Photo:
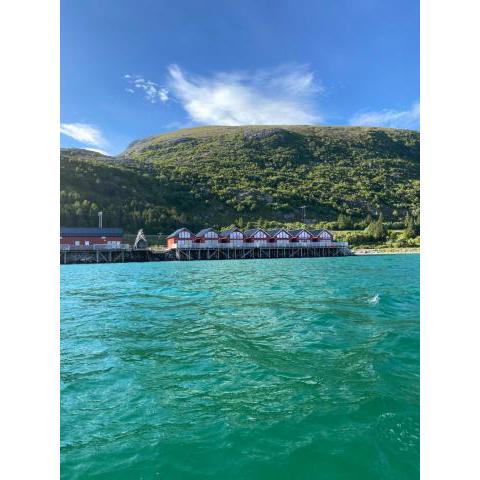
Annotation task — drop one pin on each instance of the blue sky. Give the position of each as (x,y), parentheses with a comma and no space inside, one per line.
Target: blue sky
(134,68)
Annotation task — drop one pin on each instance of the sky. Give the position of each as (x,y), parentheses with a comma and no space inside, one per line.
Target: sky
(135,68)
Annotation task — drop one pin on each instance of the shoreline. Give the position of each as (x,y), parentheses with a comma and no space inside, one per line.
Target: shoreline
(385,251)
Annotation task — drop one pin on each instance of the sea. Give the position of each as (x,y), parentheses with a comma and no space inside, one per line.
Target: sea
(243,369)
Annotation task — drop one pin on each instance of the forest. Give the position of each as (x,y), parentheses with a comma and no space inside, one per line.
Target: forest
(349,179)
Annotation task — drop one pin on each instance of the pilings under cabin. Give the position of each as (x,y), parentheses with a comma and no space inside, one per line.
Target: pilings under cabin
(254,251)
(93,254)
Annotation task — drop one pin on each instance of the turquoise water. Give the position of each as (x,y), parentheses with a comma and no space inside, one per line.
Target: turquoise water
(257,369)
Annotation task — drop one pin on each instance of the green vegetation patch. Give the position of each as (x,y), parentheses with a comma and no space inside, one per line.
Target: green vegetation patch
(246,175)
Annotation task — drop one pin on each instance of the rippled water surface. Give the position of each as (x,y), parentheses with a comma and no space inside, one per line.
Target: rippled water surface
(256,369)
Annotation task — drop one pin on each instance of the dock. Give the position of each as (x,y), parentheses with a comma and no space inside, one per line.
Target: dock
(245,251)
(82,254)
(85,254)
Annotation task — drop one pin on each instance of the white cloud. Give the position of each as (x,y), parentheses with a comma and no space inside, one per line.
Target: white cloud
(389,118)
(152,91)
(103,152)
(284,95)
(84,133)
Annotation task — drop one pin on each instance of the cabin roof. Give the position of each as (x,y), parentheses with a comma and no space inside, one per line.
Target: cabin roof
(316,233)
(90,232)
(251,232)
(229,231)
(178,230)
(295,233)
(274,232)
(204,231)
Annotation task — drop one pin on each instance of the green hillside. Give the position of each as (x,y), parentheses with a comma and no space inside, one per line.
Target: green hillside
(256,174)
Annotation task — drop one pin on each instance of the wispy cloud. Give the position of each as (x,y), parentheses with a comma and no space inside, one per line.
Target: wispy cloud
(152,91)
(98,150)
(84,133)
(284,95)
(389,118)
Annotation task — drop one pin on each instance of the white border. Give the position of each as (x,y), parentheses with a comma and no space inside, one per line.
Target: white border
(450,288)
(29,351)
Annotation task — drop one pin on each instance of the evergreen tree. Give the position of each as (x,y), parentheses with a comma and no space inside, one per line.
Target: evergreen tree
(417,223)
(365,223)
(376,229)
(344,222)
(409,227)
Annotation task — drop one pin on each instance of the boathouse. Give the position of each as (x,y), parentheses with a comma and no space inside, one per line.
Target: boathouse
(81,236)
(233,236)
(207,236)
(322,235)
(302,236)
(182,237)
(257,236)
(279,236)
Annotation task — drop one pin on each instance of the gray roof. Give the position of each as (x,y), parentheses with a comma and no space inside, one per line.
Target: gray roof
(316,233)
(273,232)
(228,232)
(90,232)
(297,232)
(177,231)
(251,231)
(201,233)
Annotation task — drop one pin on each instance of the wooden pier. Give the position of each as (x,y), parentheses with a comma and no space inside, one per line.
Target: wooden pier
(243,252)
(100,254)
(75,255)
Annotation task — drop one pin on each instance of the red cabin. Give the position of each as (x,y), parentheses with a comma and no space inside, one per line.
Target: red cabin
(208,236)
(279,236)
(182,237)
(257,236)
(232,236)
(322,235)
(301,236)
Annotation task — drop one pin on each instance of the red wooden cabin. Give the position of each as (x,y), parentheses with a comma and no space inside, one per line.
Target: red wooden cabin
(181,237)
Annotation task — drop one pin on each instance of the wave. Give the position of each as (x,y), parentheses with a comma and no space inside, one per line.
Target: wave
(374,300)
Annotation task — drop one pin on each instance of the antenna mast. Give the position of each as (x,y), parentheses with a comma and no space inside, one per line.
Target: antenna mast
(302,208)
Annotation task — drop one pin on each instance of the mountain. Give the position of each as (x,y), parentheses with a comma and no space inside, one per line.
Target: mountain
(250,174)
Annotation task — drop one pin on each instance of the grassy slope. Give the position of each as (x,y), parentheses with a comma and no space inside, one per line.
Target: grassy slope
(219,175)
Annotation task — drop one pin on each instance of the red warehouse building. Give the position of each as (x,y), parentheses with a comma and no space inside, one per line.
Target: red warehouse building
(90,236)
